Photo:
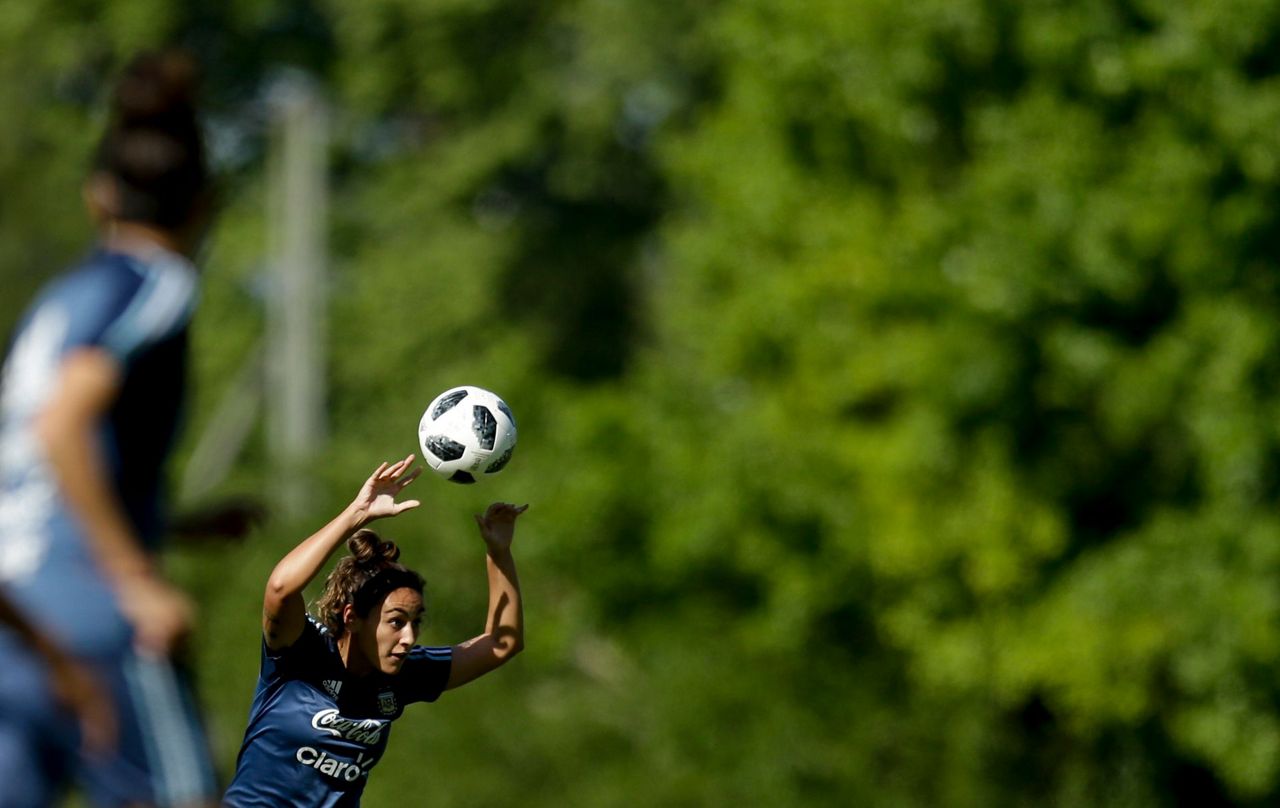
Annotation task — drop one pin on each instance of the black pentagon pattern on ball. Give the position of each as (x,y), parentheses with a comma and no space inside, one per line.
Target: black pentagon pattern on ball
(444,448)
(511,416)
(501,463)
(463,477)
(484,425)
(447,403)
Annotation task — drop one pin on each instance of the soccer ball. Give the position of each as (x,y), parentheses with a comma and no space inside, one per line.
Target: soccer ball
(466,434)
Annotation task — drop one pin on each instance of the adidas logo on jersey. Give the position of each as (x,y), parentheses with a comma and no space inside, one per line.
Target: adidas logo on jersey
(332,686)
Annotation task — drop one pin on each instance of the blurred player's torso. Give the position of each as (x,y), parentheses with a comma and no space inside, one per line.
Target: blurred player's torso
(138,311)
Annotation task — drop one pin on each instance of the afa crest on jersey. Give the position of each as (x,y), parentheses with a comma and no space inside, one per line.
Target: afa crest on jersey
(387,702)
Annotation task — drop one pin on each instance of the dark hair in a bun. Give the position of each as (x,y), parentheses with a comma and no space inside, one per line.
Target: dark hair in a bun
(363,579)
(153,146)
(369,550)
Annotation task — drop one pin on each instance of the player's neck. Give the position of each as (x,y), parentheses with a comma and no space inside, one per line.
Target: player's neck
(135,238)
(352,660)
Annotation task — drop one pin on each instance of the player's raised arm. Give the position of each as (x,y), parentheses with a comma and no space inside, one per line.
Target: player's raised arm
(503,635)
(283,609)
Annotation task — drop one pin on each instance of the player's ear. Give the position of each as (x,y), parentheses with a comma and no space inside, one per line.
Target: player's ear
(101,196)
(349,618)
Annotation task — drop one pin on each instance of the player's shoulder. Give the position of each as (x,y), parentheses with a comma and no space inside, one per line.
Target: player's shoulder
(313,651)
(316,638)
(425,674)
(431,653)
(163,279)
(314,626)
(101,274)
(124,302)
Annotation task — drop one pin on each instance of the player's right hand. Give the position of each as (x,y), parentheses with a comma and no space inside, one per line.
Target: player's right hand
(161,614)
(377,497)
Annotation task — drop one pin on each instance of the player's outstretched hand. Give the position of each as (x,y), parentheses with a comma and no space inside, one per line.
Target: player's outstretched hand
(498,525)
(377,497)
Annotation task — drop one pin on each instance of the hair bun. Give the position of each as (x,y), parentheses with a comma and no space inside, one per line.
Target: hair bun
(370,551)
(154,88)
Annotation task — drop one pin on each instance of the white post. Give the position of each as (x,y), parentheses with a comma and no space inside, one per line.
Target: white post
(296,332)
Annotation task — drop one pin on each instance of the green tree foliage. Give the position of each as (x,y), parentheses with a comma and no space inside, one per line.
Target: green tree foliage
(985,293)
(895,381)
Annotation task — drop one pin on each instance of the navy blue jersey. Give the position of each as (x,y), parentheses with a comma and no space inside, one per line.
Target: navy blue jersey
(314,731)
(138,311)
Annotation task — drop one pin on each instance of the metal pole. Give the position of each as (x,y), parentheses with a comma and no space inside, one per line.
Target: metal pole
(296,331)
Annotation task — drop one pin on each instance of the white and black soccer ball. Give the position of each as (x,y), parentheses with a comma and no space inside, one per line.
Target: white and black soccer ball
(467,434)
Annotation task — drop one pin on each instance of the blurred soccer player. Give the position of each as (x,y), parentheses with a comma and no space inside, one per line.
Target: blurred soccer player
(89,406)
(74,687)
(329,689)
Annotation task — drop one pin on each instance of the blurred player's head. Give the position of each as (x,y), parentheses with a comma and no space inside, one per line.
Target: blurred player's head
(149,170)
(372,604)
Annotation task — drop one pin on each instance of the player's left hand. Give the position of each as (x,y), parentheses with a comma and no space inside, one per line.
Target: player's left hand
(77,690)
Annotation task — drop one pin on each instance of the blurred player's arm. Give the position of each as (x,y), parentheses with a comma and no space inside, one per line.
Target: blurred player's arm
(503,635)
(88,382)
(284,613)
(73,686)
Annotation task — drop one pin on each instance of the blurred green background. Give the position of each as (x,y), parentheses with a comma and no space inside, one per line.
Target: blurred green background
(897,384)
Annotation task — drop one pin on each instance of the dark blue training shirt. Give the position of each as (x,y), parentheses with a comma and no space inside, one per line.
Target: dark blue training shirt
(138,310)
(314,731)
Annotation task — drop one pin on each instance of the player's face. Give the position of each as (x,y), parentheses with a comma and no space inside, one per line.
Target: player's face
(387,647)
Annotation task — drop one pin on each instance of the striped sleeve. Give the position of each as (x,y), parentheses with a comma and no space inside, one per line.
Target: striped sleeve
(160,305)
(296,661)
(425,673)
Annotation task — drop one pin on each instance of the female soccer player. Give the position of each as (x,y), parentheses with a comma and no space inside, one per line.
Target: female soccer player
(330,687)
(90,397)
